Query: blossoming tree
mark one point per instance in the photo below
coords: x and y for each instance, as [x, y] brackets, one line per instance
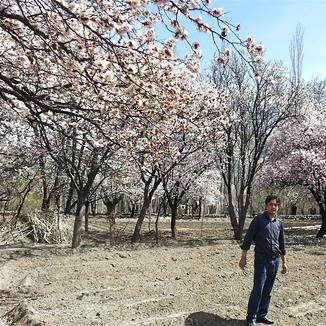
[176, 130]
[101, 62]
[298, 151]
[257, 104]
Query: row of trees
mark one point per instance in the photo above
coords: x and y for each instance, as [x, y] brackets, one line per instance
[93, 105]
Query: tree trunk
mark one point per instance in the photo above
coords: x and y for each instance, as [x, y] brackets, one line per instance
[110, 206]
[76, 238]
[293, 209]
[93, 207]
[174, 213]
[165, 208]
[133, 210]
[322, 230]
[150, 208]
[22, 202]
[147, 199]
[157, 218]
[200, 208]
[233, 218]
[69, 205]
[201, 217]
[86, 215]
[45, 201]
[242, 218]
[238, 219]
[186, 210]
[320, 199]
[141, 217]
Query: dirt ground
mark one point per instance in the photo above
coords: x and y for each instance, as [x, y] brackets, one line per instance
[192, 281]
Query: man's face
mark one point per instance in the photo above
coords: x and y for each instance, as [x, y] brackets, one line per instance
[272, 207]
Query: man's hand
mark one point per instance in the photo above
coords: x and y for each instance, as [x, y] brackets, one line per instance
[284, 268]
[243, 260]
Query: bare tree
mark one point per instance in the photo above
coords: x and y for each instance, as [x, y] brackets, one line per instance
[296, 55]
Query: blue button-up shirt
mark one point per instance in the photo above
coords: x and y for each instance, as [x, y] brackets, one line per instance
[267, 234]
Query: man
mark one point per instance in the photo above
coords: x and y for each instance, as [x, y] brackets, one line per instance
[267, 232]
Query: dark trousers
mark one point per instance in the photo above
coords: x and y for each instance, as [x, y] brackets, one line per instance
[265, 270]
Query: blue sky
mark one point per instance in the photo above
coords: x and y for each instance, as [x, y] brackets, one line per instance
[273, 23]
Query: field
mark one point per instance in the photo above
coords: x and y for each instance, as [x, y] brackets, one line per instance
[192, 281]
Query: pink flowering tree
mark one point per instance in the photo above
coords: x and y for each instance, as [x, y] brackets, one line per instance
[298, 151]
[62, 55]
[101, 63]
[177, 128]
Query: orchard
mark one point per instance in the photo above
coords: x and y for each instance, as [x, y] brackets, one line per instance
[118, 141]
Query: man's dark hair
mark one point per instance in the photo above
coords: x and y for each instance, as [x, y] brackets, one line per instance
[269, 198]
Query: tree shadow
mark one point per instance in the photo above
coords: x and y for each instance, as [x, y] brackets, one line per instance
[202, 318]
[303, 237]
[95, 237]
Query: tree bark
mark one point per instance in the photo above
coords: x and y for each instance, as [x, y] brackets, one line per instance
[322, 230]
[147, 199]
[174, 213]
[293, 209]
[69, 205]
[157, 218]
[93, 207]
[76, 238]
[141, 217]
[320, 199]
[133, 210]
[110, 206]
[86, 215]
[26, 191]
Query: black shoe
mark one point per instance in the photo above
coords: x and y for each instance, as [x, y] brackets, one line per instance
[264, 320]
[251, 323]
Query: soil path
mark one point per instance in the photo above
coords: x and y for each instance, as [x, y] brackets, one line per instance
[183, 283]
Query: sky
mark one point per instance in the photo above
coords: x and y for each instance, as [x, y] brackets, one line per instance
[273, 23]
